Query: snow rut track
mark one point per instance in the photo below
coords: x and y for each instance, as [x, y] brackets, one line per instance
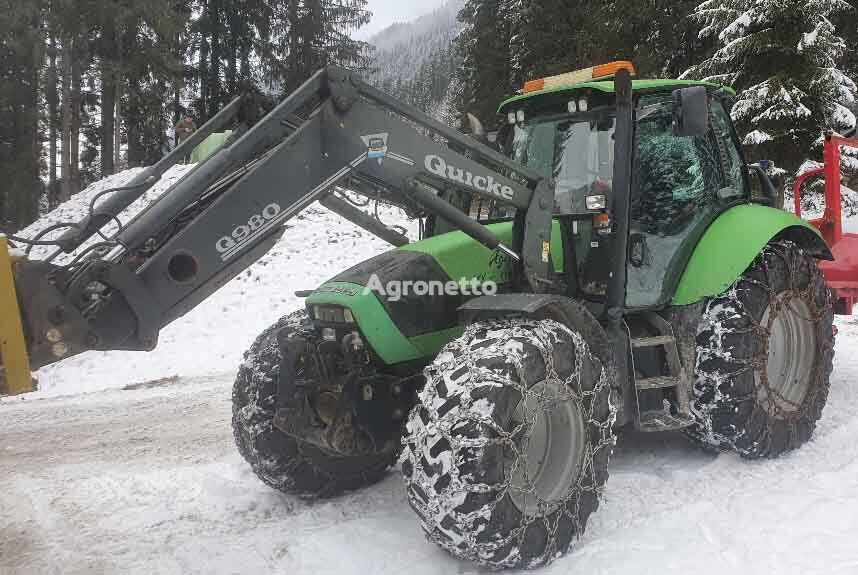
[465, 462]
[149, 482]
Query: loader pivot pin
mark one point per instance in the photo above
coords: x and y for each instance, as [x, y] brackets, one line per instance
[14, 363]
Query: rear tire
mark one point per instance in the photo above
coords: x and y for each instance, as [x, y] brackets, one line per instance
[506, 454]
[764, 357]
[282, 461]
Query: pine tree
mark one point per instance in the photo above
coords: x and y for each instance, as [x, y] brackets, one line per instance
[318, 34]
[149, 65]
[485, 45]
[21, 51]
[846, 24]
[658, 35]
[51, 96]
[782, 56]
[506, 42]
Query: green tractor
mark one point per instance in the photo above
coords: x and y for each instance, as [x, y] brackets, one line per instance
[606, 262]
[677, 298]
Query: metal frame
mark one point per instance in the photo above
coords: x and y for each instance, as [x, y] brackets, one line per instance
[841, 275]
[229, 211]
[830, 224]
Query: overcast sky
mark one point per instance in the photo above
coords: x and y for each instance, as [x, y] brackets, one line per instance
[386, 12]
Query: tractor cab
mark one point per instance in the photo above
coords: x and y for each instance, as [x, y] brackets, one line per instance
[563, 127]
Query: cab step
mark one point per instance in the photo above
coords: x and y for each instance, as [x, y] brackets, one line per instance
[669, 389]
[660, 421]
[654, 341]
[659, 382]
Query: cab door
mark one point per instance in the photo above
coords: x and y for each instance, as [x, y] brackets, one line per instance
[679, 185]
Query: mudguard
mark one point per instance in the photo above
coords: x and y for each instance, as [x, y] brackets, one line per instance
[732, 242]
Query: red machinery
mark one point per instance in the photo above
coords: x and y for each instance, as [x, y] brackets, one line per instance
[841, 275]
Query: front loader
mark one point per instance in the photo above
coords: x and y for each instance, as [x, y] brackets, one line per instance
[631, 279]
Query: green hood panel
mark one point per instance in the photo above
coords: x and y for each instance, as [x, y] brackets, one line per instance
[730, 245]
[460, 258]
[463, 258]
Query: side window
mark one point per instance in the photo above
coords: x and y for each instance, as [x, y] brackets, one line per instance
[676, 177]
[677, 181]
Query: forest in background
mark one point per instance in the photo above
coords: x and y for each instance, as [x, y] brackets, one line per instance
[792, 62]
[88, 87]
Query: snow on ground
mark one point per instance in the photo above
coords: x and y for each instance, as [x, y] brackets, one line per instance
[147, 481]
[212, 338]
[144, 478]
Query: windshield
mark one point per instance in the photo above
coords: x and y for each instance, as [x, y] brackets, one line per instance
[576, 150]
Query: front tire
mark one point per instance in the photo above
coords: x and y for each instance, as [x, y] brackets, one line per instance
[764, 357]
[279, 460]
[506, 454]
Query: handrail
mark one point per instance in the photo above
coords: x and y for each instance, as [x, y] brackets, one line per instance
[796, 189]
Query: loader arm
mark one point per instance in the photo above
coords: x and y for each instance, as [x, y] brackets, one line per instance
[229, 211]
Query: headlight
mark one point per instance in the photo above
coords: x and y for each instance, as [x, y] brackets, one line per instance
[332, 314]
[599, 202]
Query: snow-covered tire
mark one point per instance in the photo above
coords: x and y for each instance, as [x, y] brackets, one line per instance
[764, 357]
[279, 460]
[487, 398]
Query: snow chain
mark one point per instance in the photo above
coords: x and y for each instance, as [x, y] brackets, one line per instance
[774, 402]
[542, 335]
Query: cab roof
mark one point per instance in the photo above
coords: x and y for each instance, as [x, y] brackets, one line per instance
[607, 86]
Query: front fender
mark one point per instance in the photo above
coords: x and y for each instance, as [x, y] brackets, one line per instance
[731, 243]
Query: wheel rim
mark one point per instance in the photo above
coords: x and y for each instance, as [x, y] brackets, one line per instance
[545, 464]
[791, 356]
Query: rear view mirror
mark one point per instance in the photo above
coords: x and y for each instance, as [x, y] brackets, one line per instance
[690, 111]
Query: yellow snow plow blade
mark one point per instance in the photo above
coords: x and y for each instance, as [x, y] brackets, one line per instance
[14, 363]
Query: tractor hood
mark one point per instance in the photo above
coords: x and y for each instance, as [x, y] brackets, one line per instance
[401, 301]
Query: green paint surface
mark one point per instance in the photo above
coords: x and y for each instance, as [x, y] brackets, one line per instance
[430, 343]
[209, 146]
[728, 247]
[375, 325]
[461, 257]
[608, 88]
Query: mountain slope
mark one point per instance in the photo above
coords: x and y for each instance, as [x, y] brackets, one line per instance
[416, 61]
